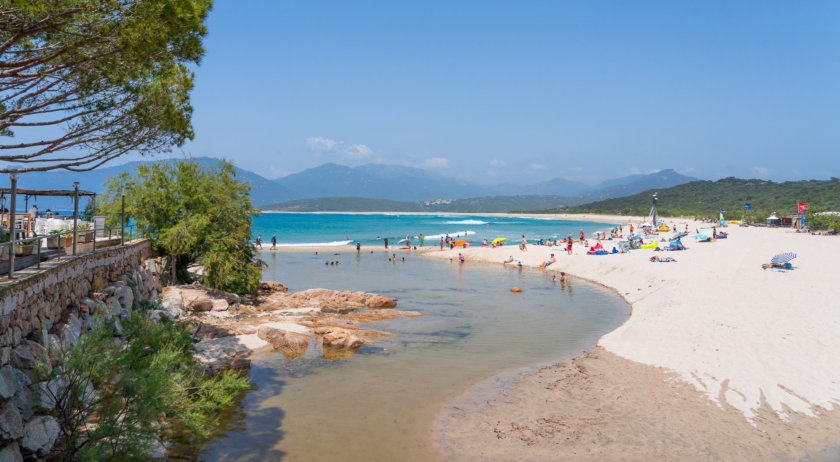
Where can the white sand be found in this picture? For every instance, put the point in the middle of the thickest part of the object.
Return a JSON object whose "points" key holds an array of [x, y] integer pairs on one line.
{"points": [[736, 332]]}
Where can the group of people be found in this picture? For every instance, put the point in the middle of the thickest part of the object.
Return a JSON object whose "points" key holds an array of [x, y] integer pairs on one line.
{"points": [[258, 242]]}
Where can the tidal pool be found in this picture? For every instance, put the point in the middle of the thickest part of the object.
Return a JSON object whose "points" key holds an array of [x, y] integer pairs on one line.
{"points": [[379, 404]]}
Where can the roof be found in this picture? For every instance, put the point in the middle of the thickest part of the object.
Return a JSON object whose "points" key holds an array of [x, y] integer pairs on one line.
{"points": [[47, 192]]}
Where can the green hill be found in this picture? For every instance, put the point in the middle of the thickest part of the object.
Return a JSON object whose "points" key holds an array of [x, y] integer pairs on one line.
{"points": [[706, 198], [472, 205]]}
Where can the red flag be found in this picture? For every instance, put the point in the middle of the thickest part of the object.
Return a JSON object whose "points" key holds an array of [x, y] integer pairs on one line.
{"points": [[803, 208]]}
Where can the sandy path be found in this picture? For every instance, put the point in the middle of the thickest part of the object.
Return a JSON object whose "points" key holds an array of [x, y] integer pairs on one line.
{"points": [[719, 360]]}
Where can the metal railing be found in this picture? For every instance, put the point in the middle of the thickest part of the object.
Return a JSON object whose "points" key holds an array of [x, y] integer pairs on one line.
{"points": [[65, 242]]}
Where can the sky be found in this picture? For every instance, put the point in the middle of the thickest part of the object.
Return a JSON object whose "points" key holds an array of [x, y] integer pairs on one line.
{"points": [[524, 91]]}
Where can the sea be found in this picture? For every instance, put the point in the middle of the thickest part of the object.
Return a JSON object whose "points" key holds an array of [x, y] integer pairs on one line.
{"points": [[333, 229]]}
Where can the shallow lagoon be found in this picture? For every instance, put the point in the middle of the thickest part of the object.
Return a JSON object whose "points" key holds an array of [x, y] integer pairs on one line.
{"points": [[380, 403]]}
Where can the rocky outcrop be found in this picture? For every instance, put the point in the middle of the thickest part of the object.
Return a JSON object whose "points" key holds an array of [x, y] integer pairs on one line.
{"points": [[232, 352], [270, 287], [330, 301], [339, 343], [289, 338]]}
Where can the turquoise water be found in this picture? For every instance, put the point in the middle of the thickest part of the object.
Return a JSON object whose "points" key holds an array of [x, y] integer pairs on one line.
{"points": [[380, 404], [343, 229]]}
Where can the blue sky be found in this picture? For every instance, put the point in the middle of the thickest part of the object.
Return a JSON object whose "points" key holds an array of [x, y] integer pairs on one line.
{"points": [[524, 91]]}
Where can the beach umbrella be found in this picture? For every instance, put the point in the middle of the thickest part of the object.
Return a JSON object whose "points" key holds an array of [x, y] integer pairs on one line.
{"points": [[783, 258], [460, 243], [404, 241], [499, 239], [679, 236]]}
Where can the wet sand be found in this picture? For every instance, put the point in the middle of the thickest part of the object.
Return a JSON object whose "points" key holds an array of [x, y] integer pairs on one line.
{"points": [[720, 360]]}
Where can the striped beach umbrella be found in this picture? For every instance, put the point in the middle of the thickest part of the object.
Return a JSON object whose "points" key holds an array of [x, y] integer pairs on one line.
{"points": [[783, 258]]}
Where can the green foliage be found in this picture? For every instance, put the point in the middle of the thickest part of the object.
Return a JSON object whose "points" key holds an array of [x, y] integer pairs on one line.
{"points": [[706, 198], [145, 385], [817, 221], [197, 214], [112, 75]]}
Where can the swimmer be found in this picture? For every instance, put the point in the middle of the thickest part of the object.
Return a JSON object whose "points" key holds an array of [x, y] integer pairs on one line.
{"points": [[509, 260]]}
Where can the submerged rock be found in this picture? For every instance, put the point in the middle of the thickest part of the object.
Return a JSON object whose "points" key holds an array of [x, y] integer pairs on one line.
{"points": [[339, 343]]}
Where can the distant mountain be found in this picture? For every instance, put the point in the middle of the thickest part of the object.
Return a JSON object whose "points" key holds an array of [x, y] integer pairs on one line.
{"points": [[393, 182], [475, 204], [553, 187], [633, 184], [263, 190]]}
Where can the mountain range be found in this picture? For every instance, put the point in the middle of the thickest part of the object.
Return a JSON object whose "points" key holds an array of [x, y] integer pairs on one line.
{"points": [[378, 181]]}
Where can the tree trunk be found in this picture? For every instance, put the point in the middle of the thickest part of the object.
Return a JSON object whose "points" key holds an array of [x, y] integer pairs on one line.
{"points": [[173, 259]]}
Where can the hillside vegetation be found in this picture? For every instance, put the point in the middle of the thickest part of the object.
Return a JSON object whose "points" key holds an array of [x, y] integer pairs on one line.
{"points": [[706, 198], [472, 205]]}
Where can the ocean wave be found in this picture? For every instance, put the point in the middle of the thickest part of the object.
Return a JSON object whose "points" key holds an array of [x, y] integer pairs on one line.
{"points": [[310, 244], [438, 236], [466, 222]]}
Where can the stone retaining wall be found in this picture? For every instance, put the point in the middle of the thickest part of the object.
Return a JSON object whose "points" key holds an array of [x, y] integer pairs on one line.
{"points": [[47, 313], [42, 301]]}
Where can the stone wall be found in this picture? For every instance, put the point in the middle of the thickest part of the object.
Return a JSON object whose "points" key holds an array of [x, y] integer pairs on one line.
{"points": [[47, 313]]}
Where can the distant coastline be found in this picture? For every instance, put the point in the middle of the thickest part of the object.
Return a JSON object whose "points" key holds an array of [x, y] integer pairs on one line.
{"points": [[590, 217]]}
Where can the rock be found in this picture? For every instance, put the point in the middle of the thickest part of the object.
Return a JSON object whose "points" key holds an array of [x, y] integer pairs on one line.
{"points": [[22, 398], [231, 299], [272, 286], [40, 434], [339, 343], [378, 302], [218, 353], [219, 305], [125, 296], [207, 331], [49, 392], [11, 453], [157, 451], [196, 300], [28, 355], [516, 290], [290, 338], [8, 382], [171, 300], [11, 424], [113, 306]]}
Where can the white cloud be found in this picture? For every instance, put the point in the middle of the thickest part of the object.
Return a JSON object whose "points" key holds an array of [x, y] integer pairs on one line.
{"points": [[498, 163], [358, 151], [319, 144], [274, 172], [762, 171], [635, 170], [538, 167], [436, 162]]}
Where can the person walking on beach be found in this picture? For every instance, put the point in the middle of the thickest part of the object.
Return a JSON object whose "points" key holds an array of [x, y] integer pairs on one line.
{"points": [[523, 246], [259, 241], [386, 242], [441, 243], [358, 247], [569, 245], [422, 240], [581, 235], [274, 242]]}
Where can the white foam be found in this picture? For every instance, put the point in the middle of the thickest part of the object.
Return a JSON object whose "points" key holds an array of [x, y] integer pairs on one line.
{"points": [[456, 233], [466, 222]]}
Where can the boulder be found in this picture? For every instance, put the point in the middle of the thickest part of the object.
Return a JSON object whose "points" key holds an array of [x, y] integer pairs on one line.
{"points": [[171, 300], [48, 392], [290, 338], [219, 304], [39, 435], [22, 398], [377, 302], [339, 343], [156, 451], [11, 453], [8, 382], [196, 300], [231, 299], [218, 353], [272, 286], [28, 354], [11, 424]]}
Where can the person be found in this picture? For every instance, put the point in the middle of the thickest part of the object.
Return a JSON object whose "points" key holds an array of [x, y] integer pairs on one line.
{"points": [[581, 235], [484, 243], [274, 242], [422, 240], [358, 247], [441, 243], [403, 258], [522, 246], [386, 242], [461, 257], [259, 241], [408, 241], [569, 246], [714, 232], [509, 260], [562, 277], [553, 278], [33, 215]]}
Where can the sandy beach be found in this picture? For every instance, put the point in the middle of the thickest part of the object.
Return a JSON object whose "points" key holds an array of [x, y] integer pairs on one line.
{"points": [[720, 360]]}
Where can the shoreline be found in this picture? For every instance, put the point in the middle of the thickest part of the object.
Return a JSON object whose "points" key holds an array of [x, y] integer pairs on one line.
{"points": [[749, 393]]}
